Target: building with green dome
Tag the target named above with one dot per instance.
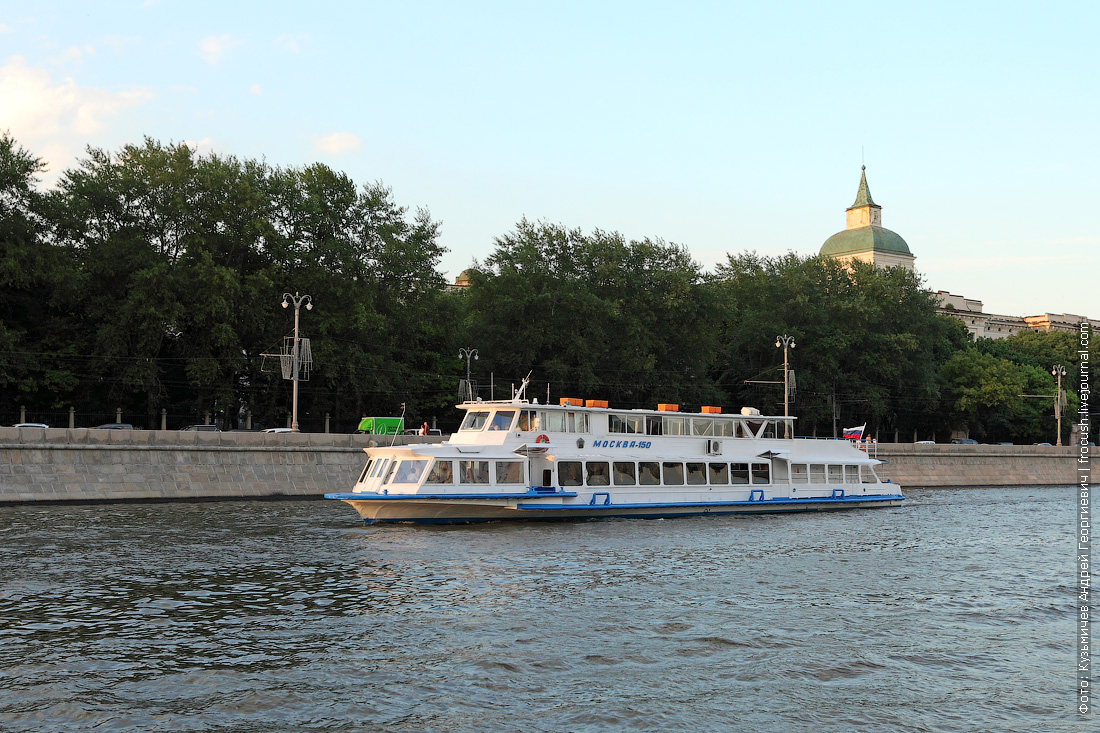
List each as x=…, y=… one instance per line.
x=864, y=238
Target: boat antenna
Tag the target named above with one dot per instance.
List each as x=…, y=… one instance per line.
x=394, y=440
x=522, y=386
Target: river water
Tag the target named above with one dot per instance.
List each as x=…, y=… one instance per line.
x=951, y=613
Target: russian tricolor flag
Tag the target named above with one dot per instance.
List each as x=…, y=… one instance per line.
x=854, y=433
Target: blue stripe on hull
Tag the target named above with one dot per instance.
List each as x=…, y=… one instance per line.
x=529, y=512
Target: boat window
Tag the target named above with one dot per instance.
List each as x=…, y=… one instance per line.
x=752, y=427
x=817, y=473
x=623, y=474
x=653, y=425
x=867, y=475
x=389, y=473
x=739, y=473
x=502, y=420
x=409, y=472
x=649, y=473
x=509, y=472
x=799, y=474
x=379, y=466
x=724, y=427
x=674, y=426
x=696, y=473
x=702, y=426
x=569, y=473
x=576, y=422
x=770, y=429
x=851, y=474
x=473, y=472
x=528, y=420
x=598, y=473
x=719, y=473
x=836, y=474
x=553, y=421
x=625, y=424
x=366, y=469
x=474, y=421
x=442, y=472
x=761, y=473
x=673, y=473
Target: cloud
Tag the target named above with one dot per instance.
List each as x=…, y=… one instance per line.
x=213, y=48
x=337, y=142
x=73, y=55
x=292, y=42
x=4, y=28
x=57, y=119
x=256, y=90
x=202, y=147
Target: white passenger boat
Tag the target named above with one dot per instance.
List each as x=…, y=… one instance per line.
x=517, y=459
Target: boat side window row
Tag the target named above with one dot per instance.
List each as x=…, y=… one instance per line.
x=550, y=421
x=726, y=427
x=821, y=473
x=661, y=473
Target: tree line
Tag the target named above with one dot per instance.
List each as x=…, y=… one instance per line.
x=150, y=279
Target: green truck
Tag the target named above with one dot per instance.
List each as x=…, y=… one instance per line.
x=382, y=425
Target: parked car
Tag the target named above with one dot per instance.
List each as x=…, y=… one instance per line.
x=31, y=425
x=115, y=426
x=277, y=430
x=1006, y=442
x=964, y=441
x=203, y=428
x=926, y=442
x=1041, y=444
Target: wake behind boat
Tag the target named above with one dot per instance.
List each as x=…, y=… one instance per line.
x=515, y=459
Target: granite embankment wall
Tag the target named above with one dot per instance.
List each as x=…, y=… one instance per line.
x=95, y=465
x=935, y=466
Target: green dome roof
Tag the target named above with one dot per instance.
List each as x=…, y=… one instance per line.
x=865, y=239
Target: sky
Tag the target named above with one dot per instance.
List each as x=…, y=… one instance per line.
x=721, y=126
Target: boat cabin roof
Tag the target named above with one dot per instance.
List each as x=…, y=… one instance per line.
x=745, y=413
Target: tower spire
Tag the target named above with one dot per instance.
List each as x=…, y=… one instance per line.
x=863, y=195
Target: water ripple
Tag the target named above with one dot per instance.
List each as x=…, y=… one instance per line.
x=948, y=614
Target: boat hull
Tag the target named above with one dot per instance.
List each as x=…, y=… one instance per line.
x=435, y=511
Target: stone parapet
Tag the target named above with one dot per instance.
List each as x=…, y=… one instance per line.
x=916, y=465
x=84, y=464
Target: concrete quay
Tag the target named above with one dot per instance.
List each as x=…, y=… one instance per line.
x=83, y=464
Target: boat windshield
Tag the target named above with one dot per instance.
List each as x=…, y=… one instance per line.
x=474, y=421
x=502, y=420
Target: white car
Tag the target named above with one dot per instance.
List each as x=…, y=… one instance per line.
x=276, y=430
x=31, y=425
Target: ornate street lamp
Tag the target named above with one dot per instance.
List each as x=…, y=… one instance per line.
x=297, y=300
x=468, y=354
x=1058, y=371
x=786, y=342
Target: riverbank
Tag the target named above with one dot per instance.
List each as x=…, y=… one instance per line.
x=82, y=464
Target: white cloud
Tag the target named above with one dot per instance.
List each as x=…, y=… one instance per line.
x=202, y=147
x=256, y=90
x=337, y=142
x=292, y=42
x=56, y=120
x=73, y=55
x=213, y=48
x=4, y=28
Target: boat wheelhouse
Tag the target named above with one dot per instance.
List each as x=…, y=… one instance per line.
x=515, y=459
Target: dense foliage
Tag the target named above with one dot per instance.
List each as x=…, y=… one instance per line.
x=150, y=280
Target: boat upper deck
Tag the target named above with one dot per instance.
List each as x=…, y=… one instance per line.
x=490, y=422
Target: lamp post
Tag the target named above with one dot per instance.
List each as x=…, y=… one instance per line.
x=468, y=354
x=297, y=300
x=1058, y=371
x=786, y=342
